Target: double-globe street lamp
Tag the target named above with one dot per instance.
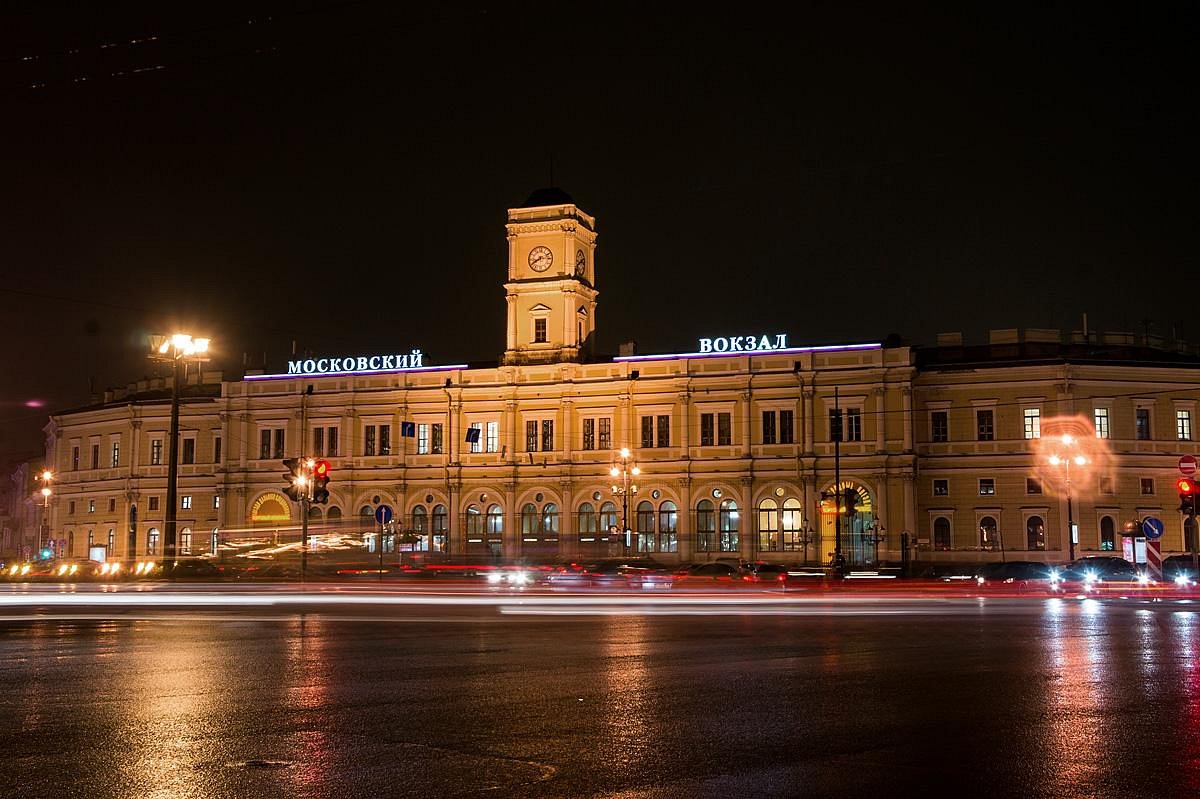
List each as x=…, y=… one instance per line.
x=44, y=531
x=1065, y=461
x=626, y=470
x=177, y=350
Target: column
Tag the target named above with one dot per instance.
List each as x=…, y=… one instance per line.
x=625, y=425
x=512, y=527
x=685, y=532
x=567, y=412
x=906, y=395
x=455, y=428
x=747, y=528
x=747, y=441
x=910, y=505
x=568, y=538
x=880, y=418
x=808, y=405
x=879, y=508
x=509, y=425
x=685, y=423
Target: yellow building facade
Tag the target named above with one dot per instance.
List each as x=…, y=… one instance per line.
x=732, y=441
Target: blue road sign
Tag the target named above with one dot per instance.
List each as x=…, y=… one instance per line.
x=1152, y=528
x=383, y=514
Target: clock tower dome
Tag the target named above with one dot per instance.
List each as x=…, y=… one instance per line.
x=551, y=283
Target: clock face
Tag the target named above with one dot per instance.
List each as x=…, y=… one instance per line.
x=540, y=258
x=580, y=262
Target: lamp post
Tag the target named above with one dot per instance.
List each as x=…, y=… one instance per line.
x=878, y=534
x=808, y=536
x=176, y=349
x=625, y=470
x=44, y=532
x=1065, y=462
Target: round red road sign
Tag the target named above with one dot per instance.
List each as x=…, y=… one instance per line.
x=1187, y=465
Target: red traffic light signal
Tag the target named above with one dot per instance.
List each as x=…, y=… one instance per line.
x=320, y=468
x=1186, y=486
x=320, y=473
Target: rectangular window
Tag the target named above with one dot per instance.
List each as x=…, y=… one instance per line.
x=786, y=427
x=531, y=440
x=706, y=430
x=1100, y=415
x=1106, y=485
x=1183, y=426
x=477, y=444
x=216, y=449
x=91, y=506
x=987, y=486
x=71, y=508
x=939, y=426
x=539, y=331
x=1142, y=424
x=835, y=424
x=1033, y=485
x=853, y=424
x=605, y=433
x=768, y=427
x=664, y=431
x=264, y=448
x=318, y=445
x=647, y=432
x=116, y=454
x=589, y=433
x=385, y=439
x=331, y=442
x=724, y=430
x=112, y=505
x=156, y=452
x=153, y=503
x=435, y=438
x=185, y=502
x=493, y=436
x=1148, y=486
x=216, y=501
x=75, y=459
x=369, y=440
x=423, y=439
x=941, y=488
x=189, y=450
x=95, y=456
x=547, y=435
x=1033, y=422
x=985, y=425
x=279, y=442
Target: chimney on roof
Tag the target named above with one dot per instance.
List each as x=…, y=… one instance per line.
x=949, y=339
x=627, y=348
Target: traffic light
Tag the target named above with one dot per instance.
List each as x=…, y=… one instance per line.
x=320, y=478
x=1187, y=495
x=851, y=501
x=294, y=479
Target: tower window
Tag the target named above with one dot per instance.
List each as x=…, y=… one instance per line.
x=539, y=331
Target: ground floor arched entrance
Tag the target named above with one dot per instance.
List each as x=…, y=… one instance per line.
x=859, y=540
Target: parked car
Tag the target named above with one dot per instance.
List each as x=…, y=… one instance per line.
x=715, y=573
x=615, y=573
x=1178, y=570
x=767, y=573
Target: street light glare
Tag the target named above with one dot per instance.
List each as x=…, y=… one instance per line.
x=47, y=475
x=1054, y=460
x=636, y=470
x=614, y=471
x=624, y=452
x=1080, y=460
x=1067, y=439
x=45, y=492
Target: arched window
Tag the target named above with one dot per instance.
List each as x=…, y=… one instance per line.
x=152, y=541
x=768, y=525
x=474, y=523
x=1108, y=534
x=440, y=528
x=729, y=526
x=941, y=534
x=366, y=517
x=550, y=520
x=668, y=521
x=185, y=541
x=608, y=517
x=420, y=520
x=333, y=514
x=112, y=541
x=793, y=525
x=706, y=527
x=587, y=519
x=989, y=534
x=314, y=513
x=91, y=541
x=645, y=527
x=529, y=519
x=1035, y=533
x=495, y=521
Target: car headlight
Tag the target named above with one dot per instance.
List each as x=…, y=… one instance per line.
x=1182, y=581
x=1055, y=576
x=1143, y=579
x=1090, y=577
x=520, y=578
x=495, y=577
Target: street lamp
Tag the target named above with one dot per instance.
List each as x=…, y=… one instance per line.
x=44, y=534
x=1065, y=461
x=625, y=470
x=176, y=349
x=877, y=534
x=808, y=536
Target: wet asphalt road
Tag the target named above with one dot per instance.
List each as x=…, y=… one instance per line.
x=1027, y=697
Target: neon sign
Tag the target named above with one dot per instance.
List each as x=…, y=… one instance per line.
x=725, y=346
x=357, y=365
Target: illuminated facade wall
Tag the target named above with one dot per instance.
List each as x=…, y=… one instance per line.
x=735, y=448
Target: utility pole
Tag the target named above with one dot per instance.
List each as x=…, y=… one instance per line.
x=838, y=497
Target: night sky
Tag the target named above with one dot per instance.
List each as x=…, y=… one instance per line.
x=337, y=174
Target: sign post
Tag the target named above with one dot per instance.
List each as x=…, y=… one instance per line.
x=383, y=515
x=1153, y=529
x=1187, y=465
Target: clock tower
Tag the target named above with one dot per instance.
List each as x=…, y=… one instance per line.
x=551, y=280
